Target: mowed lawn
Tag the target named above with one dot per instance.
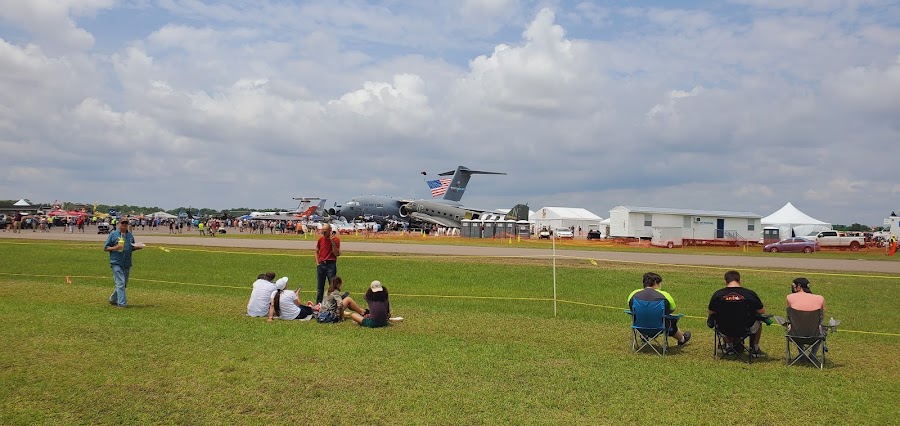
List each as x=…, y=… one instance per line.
x=184, y=353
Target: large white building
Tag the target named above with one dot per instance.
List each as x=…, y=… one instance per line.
x=708, y=225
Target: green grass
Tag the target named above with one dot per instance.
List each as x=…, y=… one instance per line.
x=184, y=352
x=579, y=244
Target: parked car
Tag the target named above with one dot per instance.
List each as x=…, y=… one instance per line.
x=792, y=245
x=564, y=233
x=595, y=235
x=544, y=233
x=837, y=240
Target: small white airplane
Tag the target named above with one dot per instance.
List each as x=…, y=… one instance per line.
x=304, y=210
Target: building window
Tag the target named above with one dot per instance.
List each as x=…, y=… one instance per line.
x=750, y=225
x=687, y=222
x=648, y=220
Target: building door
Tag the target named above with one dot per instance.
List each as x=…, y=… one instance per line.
x=720, y=228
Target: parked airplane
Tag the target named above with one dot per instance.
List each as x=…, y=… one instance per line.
x=451, y=216
x=304, y=210
x=379, y=208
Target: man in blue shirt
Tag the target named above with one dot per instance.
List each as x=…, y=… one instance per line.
x=120, y=244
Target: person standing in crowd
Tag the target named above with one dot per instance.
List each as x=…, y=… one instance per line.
x=328, y=248
x=120, y=245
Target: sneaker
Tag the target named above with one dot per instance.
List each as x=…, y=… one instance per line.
x=729, y=349
x=687, y=337
x=757, y=353
x=113, y=303
x=122, y=306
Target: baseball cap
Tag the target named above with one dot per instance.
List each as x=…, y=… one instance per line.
x=802, y=282
x=376, y=286
x=281, y=283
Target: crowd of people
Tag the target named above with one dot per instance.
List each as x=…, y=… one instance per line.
x=270, y=298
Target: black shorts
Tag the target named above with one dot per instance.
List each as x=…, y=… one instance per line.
x=305, y=311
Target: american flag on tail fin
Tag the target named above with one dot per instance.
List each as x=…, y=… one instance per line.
x=439, y=186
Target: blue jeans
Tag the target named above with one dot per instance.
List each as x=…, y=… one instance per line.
x=120, y=275
x=327, y=269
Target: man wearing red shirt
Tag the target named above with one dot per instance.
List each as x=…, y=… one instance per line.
x=328, y=248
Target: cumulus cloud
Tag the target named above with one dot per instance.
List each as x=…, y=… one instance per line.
x=537, y=77
x=50, y=21
x=227, y=104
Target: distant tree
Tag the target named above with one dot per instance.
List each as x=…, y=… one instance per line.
x=859, y=227
x=838, y=227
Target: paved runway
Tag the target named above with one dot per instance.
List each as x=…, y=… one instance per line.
x=737, y=262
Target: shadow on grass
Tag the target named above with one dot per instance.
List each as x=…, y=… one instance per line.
x=130, y=307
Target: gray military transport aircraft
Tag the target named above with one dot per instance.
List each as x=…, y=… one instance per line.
x=444, y=212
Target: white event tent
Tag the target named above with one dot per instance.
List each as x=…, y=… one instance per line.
x=163, y=215
x=564, y=217
x=791, y=222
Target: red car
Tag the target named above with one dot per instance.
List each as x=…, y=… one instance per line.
x=793, y=244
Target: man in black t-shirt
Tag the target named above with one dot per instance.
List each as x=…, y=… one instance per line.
x=733, y=296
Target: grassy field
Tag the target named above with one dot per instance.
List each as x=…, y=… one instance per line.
x=467, y=352
x=576, y=244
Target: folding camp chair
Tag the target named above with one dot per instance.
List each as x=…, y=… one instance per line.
x=648, y=324
x=734, y=320
x=804, y=331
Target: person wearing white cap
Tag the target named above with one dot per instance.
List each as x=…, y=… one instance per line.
x=379, y=307
x=286, y=305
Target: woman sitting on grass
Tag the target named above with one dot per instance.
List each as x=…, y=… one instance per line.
x=379, y=307
x=334, y=303
x=286, y=305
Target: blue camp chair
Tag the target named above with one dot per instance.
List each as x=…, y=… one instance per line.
x=648, y=324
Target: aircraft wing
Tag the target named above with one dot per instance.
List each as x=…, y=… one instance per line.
x=437, y=220
x=276, y=216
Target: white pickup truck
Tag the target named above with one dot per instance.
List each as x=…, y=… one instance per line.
x=836, y=239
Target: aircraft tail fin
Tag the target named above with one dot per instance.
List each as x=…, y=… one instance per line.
x=519, y=212
x=459, y=181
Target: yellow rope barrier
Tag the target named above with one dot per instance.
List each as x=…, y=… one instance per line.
x=593, y=261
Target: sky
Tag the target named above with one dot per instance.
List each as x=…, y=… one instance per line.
x=740, y=105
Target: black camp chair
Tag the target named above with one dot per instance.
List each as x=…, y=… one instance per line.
x=734, y=320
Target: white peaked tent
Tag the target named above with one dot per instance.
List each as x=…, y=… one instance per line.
x=789, y=219
x=21, y=203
